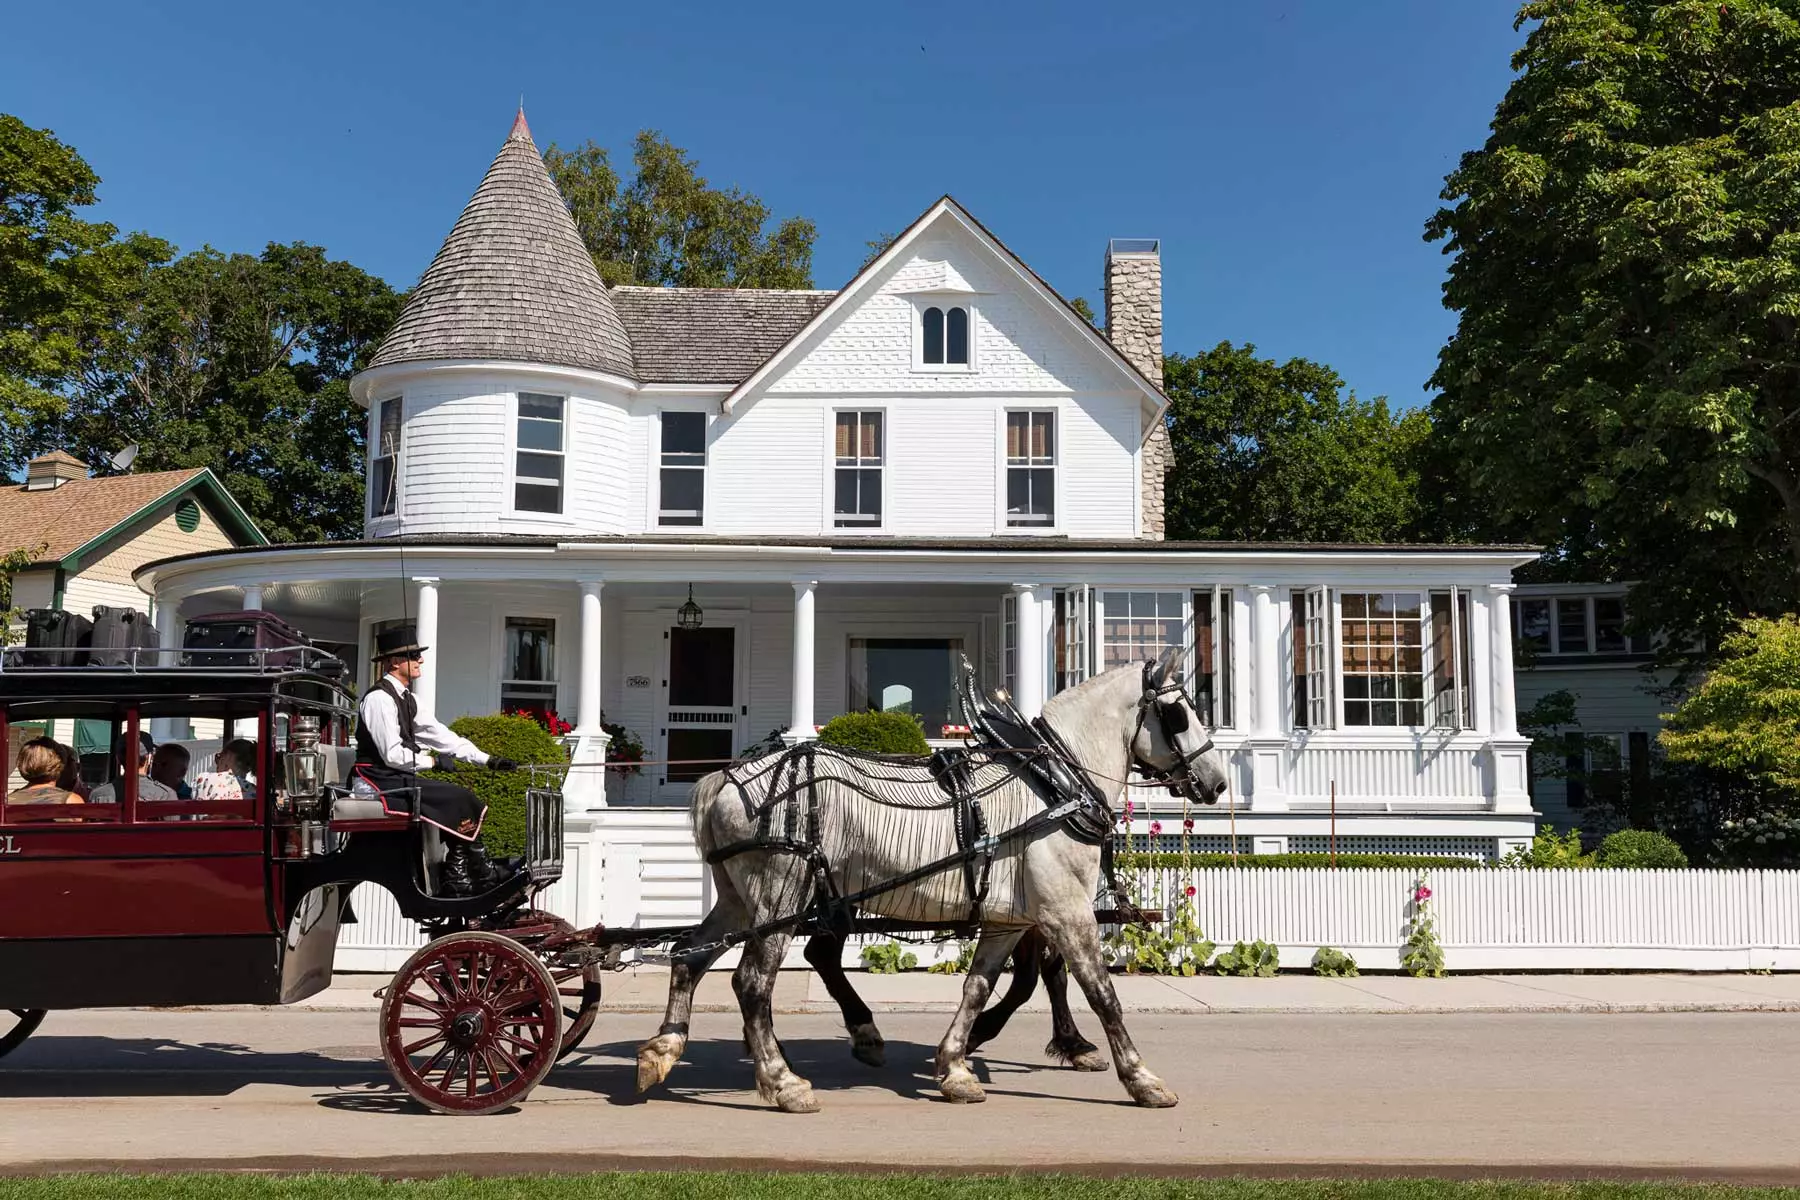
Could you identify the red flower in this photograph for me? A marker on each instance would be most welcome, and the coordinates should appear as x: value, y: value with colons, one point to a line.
x: 1188, y: 824
x: 1421, y: 893
x: 1190, y: 890
x: 1155, y: 827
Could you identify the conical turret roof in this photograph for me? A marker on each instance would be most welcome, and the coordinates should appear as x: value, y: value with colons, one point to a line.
x: 513, y: 280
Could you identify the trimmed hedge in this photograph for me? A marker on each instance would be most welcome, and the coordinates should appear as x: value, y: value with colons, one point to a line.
x: 1642, y: 848
x: 519, y: 738
x: 877, y: 733
x: 1128, y: 860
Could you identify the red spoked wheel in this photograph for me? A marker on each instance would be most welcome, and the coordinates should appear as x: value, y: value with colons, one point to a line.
x: 17, y: 1024
x: 471, y: 1024
x: 579, y: 987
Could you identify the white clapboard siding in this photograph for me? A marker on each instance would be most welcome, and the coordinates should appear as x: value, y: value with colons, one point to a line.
x: 639, y: 867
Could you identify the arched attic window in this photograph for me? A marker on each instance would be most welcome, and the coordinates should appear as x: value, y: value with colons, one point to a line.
x: 946, y: 336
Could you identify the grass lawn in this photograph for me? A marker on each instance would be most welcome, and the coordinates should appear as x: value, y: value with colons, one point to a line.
x: 702, y: 1185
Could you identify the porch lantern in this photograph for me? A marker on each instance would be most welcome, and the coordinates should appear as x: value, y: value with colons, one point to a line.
x: 689, y: 615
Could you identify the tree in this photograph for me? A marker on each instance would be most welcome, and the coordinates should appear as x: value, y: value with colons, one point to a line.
x: 1268, y: 451
x: 242, y: 363
x: 11, y: 563
x: 62, y: 280
x: 667, y: 226
x: 1624, y: 382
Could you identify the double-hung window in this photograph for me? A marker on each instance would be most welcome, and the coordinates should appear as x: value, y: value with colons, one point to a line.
x: 859, y: 450
x: 1311, y: 612
x: 530, y: 666
x: 1135, y: 626
x: 1211, y: 676
x: 683, y: 469
x: 1031, y: 469
x: 384, y: 474
x: 538, y: 460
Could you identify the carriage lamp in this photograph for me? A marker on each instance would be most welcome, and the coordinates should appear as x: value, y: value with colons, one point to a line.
x: 689, y: 615
x: 305, y: 764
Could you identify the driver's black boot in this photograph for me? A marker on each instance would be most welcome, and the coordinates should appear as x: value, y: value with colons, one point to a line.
x: 467, y: 870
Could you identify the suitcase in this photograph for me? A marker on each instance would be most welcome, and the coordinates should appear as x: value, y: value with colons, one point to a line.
x: 233, y: 639
x: 117, y: 632
x: 54, y: 638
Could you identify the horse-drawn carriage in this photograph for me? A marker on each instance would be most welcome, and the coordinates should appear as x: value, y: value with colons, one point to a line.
x: 134, y: 899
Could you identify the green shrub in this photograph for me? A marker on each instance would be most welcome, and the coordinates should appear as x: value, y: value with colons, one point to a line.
x: 1550, y: 852
x: 521, y: 739
x: 877, y: 733
x: 1643, y: 848
x: 1258, y: 960
x: 1135, y: 860
x: 965, y: 955
x: 1179, y: 949
x: 1334, y: 964
x: 888, y: 958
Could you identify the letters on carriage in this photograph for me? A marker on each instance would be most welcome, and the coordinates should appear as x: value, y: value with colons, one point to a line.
x: 10, y: 845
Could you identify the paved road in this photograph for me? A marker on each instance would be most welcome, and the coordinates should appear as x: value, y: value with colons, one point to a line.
x: 1706, y: 1094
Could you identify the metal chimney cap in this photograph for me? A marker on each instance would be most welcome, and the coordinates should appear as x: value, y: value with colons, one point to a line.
x: 1133, y: 246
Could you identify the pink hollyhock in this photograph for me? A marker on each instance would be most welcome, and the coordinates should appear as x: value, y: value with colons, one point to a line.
x: 1155, y: 828
x: 1190, y: 890
x: 1128, y: 808
x: 1421, y: 893
x: 1188, y: 824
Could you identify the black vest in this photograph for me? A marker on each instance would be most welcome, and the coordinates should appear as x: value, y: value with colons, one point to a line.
x: 366, y: 749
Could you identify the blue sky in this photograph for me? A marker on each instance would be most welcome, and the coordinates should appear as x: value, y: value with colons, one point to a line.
x: 1287, y: 153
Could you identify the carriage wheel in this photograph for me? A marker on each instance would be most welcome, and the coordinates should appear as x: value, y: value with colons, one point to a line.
x: 17, y: 1024
x: 579, y: 987
x: 471, y: 1024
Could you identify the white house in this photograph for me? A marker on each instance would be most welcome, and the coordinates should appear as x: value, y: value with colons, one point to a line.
x: 855, y: 487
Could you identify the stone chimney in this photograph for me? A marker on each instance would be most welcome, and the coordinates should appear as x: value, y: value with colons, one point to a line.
x: 53, y: 470
x: 1134, y: 326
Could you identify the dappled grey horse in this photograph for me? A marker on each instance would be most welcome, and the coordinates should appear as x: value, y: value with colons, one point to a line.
x: 867, y: 824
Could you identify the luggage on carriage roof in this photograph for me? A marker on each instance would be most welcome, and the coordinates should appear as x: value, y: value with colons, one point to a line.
x: 119, y: 631
x: 232, y: 639
x: 54, y: 638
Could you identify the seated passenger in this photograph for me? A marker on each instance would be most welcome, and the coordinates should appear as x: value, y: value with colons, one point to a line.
x: 39, y: 766
x: 168, y: 766
x: 230, y: 777
x: 70, y: 780
x: 148, y: 790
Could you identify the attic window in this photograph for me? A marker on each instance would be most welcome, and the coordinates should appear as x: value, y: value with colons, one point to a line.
x: 187, y: 515
x: 944, y: 336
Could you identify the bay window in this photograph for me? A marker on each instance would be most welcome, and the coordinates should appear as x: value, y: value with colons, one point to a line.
x: 1387, y: 659
x: 1098, y: 629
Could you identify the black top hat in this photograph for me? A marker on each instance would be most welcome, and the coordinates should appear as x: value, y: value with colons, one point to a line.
x: 398, y: 642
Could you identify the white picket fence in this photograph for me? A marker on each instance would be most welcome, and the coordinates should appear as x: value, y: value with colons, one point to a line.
x: 1487, y: 919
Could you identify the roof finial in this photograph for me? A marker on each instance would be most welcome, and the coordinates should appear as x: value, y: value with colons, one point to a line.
x: 519, y: 128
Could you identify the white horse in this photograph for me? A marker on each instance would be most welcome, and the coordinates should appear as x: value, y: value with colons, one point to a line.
x: 874, y: 821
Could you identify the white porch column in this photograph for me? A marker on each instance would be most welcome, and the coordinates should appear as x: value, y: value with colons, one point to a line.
x: 253, y: 598
x: 425, y: 691
x: 585, y: 787
x: 1029, y: 624
x: 165, y: 615
x: 800, y: 719
x: 1510, y: 753
x: 1267, y: 743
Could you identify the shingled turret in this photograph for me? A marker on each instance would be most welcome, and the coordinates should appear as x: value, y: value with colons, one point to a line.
x: 513, y: 281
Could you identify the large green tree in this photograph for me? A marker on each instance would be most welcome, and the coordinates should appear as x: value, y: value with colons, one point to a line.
x: 63, y: 280
x: 667, y: 225
x: 242, y: 363
x: 1268, y: 451
x: 1624, y: 382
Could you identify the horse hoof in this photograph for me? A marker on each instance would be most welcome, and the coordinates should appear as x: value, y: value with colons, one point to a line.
x: 961, y: 1087
x: 1151, y: 1092
x: 1089, y: 1060
x: 866, y: 1045
x: 797, y: 1098
x: 657, y: 1057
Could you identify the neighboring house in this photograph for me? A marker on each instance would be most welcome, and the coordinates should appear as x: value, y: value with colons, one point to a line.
x: 1572, y: 638
x: 714, y: 514
x: 94, y: 534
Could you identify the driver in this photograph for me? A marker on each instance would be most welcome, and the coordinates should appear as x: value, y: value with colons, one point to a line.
x: 394, y: 742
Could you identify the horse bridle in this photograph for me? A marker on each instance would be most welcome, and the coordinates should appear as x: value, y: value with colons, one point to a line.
x: 1164, y: 695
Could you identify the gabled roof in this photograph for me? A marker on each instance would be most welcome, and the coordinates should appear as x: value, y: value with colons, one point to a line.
x: 513, y: 281
x: 710, y: 335
x: 947, y: 207
x: 81, y: 513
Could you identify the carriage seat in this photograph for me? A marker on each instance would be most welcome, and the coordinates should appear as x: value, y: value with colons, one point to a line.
x: 350, y: 805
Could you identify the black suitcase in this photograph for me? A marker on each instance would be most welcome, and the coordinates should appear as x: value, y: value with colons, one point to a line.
x: 233, y: 639
x: 117, y: 632
x: 59, y: 639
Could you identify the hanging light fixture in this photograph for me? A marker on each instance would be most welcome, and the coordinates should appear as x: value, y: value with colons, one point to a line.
x: 689, y: 615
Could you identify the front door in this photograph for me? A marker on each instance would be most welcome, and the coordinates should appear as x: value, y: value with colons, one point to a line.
x: 701, y: 707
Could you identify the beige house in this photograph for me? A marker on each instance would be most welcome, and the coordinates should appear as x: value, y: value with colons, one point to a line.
x: 86, y: 536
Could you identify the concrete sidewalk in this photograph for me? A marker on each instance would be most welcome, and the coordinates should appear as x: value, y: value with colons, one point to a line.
x: 644, y: 989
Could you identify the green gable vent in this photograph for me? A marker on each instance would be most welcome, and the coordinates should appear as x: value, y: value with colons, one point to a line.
x: 187, y: 515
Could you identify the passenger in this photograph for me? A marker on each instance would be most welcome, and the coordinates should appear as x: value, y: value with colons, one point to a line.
x: 148, y: 790
x: 168, y: 766
x: 39, y: 766
x: 70, y: 779
x: 230, y: 777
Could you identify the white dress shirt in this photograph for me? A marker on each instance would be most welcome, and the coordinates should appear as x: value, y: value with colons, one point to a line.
x: 381, y: 717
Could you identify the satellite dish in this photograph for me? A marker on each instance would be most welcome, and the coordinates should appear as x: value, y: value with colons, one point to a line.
x: 123, y: 459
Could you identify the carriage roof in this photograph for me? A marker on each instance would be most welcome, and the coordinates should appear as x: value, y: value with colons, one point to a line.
x: 26, y: 692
